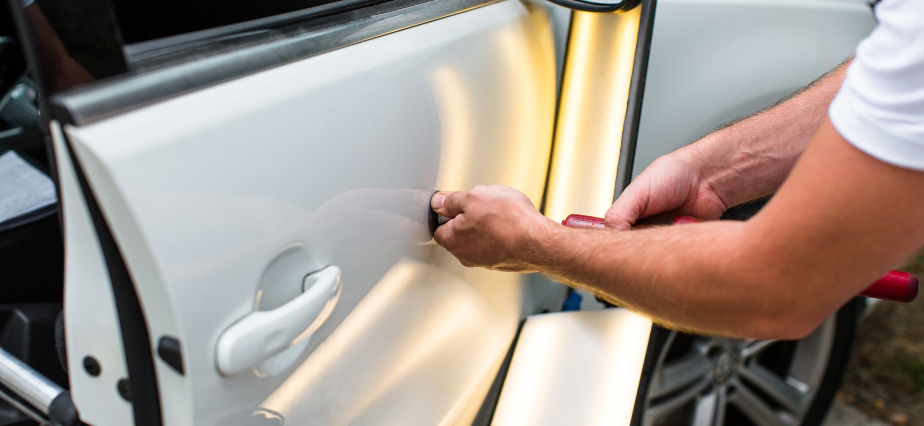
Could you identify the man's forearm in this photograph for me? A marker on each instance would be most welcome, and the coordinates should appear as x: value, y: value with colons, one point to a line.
x: 820, y: 241
x: 751, y: 158
x: 686, y: 277
x: 841, y: 220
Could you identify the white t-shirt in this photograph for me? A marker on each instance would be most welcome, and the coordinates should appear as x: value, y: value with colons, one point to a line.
x: 880, y: 107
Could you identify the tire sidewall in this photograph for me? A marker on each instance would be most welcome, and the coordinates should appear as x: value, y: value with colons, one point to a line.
x: 844, y: 334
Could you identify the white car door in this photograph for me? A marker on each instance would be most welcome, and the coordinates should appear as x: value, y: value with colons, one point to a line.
x: 246, y: 210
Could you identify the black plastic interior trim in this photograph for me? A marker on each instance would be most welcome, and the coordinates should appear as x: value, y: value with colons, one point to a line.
x: 102, y: 43
x: 636, y: 95
x: 62, y: 411
x: 139, y: 357
x: 31, y: 56
x: 37, y: 214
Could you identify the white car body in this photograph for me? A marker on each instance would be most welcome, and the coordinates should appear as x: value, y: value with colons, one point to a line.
x: 714, y: 61
x: 336, y: 154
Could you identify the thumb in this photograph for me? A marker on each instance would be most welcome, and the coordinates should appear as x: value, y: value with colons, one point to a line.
x: 622, y: 214
x: 449, y: 203
x: 617, y: 222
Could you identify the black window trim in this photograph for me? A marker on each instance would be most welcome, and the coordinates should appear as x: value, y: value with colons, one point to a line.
x: 119, y: 94
x: 142, y: 50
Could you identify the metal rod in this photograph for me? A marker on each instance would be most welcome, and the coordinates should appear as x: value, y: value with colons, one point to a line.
x: 27, y: 383
x: 25, y: 409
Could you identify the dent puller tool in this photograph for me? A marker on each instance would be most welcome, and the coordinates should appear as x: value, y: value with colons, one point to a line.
x: 896, y: 286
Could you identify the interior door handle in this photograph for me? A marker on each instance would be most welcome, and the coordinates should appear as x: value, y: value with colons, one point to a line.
x: 262, y: 334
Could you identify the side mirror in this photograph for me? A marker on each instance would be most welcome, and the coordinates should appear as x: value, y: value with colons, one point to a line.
x: 600, y: 6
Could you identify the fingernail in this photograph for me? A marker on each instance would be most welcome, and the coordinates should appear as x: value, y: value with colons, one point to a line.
x: 437, y: 201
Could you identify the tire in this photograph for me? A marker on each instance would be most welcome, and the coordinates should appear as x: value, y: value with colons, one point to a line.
x: 699, y: 381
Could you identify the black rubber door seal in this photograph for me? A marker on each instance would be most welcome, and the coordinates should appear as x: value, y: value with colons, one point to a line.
x: 136, y: 342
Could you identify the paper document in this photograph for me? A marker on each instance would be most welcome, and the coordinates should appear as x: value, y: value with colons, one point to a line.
x: 23, y: 189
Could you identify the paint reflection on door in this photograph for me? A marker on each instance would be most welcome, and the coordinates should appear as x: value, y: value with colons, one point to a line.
x: 338, y: 153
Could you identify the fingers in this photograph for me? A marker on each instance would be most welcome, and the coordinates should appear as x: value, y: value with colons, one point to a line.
x: 619, y: 219
x: 625, y: 211
x: 489, y: 225
x: 448, y: 203
x: 444, y: 234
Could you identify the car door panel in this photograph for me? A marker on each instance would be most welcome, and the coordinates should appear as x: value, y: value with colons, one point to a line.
x: 338, y: 154
x: 92, y: 308
x: 365, y: 373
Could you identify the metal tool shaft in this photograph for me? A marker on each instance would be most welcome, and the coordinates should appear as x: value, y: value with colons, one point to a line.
x: 27, y: 383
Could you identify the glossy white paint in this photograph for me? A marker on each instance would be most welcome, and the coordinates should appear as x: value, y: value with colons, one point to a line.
x: 339, y: 153
x: 90, y: 317
x: 421, y: 348
x: 575, y: 368
x: 714, y: 60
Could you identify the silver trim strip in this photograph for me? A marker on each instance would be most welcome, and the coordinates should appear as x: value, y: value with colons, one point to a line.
x: 84, y: 105
x: 22, y: 380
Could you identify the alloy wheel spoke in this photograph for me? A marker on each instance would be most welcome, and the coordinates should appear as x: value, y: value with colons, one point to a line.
x: 679, y: 374
x: 754, y: 347
x: 790, y: 397
x: 753, y: 407
x: 720, y: 404
x: 710, y: 409
x: 704, y: 414
x: 656, y: 411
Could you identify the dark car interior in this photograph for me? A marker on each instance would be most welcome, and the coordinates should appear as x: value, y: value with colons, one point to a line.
x: 31, y: 247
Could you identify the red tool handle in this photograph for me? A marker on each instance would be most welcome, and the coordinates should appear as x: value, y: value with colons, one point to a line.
x: 896, y: 286
x: 581, y: 221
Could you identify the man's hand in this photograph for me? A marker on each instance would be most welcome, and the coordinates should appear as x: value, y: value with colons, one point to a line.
x: 741, y: 162
x: 672, y: 185
x: 490, y: 226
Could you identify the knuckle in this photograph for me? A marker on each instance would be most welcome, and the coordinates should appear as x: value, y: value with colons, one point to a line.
x: 452, y: 203
x: 442, y: 236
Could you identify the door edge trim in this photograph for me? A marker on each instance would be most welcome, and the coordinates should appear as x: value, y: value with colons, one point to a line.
x: 136, y: 342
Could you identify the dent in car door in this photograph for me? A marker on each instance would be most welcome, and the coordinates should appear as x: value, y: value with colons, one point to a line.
x: 328, y: 160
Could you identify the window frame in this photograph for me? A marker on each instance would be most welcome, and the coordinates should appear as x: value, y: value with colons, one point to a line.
x: 189, y: 66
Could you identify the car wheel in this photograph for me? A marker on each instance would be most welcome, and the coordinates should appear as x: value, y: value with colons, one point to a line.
x: 702, y: 381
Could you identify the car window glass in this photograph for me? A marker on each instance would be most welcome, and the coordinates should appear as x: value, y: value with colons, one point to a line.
x: 147, y: 20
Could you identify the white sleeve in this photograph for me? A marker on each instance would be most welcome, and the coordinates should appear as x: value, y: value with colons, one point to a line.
x: 880, y: 107
x: 25, y: 3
